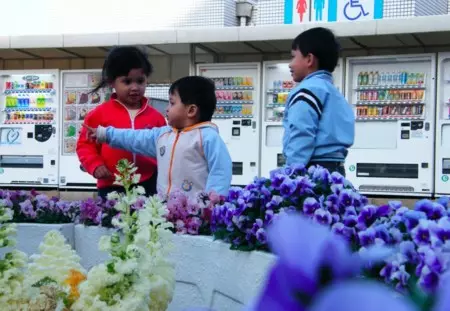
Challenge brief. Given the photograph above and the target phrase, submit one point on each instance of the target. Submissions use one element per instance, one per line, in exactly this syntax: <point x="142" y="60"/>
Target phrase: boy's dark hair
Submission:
<point x="120" y="61"/>
<point x="321" y="43"/>
<point x="199" y="91"/>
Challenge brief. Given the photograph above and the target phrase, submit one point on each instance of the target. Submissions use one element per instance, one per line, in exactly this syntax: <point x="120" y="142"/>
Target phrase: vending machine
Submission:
<point x="277" y="83"/>
<point x="393" y="99"/>
<point x="76" y="100"/>
<point x="238" y="114"/>
<point x="29" y="133"/>
<point x="442" y="171"/>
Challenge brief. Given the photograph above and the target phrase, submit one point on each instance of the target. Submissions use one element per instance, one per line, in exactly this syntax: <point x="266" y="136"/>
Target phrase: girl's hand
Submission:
<point x="102" y="172"/>
<point x="91" y="133"/>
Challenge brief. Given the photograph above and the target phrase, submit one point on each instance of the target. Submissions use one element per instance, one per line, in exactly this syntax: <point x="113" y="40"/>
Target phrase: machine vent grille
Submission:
<point x="375" y="188"/>
<point x="387" y="170"/>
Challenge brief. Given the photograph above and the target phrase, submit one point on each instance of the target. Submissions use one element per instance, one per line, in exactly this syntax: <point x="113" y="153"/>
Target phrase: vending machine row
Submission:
<point x="402" y="143"/>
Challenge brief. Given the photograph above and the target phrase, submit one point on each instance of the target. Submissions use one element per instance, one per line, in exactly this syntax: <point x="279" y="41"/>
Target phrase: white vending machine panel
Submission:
<point x="277" y="83"/>
<point x="442" y="172"/>
<point x="76" y="100"/>
<point x="29" y="134"/>
<point x="238" y="114"/>
<point x="393" y="99"/>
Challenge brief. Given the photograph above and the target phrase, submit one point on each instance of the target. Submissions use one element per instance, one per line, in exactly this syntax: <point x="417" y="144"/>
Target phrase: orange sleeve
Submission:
<point x="88" y="151"/>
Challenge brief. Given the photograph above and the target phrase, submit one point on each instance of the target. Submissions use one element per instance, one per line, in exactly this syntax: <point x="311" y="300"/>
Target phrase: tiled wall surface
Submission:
<point x="407" y="8"/>
<point x="207" y="13"/>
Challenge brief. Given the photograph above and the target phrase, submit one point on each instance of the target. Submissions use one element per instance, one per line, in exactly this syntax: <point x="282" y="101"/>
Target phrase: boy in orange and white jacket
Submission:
<point x="191" y="156"/>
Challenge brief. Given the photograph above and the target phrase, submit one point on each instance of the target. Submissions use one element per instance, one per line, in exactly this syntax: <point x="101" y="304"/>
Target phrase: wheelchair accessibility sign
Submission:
<point x="333" y="10"/>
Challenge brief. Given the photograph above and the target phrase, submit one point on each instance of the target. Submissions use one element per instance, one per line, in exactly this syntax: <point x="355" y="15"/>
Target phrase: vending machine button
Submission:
<point x="424" y="165"/>
<point x="29" y="135"/>
<point x="281" y="160"/>
<point x="445" y="166"/>
<point x="416" y="125"/>
<point x="405" y="135"/>
<point x="52" y="162"/>
<point x="236" y="131"/>
<point x="236" y="122"/>
<point x="237" y="168"/>
<point x="246" y="122"/>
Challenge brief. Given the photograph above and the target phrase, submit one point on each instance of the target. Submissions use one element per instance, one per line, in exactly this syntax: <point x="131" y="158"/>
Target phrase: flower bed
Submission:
<point x="209" y="274"/>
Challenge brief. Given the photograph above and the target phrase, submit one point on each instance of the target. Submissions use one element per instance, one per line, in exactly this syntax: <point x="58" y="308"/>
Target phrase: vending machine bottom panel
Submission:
<point x="413" y="179"/>
<point x="72" y="175"/>
<point x="23" y="170"/>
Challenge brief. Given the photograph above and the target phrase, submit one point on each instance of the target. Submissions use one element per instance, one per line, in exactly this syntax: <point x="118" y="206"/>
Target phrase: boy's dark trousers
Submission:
<point x="330" y="166"/>
<point x="149" y="185"/>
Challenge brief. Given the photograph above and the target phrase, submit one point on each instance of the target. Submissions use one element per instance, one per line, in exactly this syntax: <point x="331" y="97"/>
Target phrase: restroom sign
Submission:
<point x="300" y="11"/>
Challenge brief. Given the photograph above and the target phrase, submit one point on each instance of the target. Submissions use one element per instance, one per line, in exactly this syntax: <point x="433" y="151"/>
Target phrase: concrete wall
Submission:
<point x="167" y="68"/>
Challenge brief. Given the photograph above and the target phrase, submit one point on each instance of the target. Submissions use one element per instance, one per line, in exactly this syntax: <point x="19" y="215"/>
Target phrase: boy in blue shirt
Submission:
<point x="191" y="156"/>
<point x="319" y="124"/>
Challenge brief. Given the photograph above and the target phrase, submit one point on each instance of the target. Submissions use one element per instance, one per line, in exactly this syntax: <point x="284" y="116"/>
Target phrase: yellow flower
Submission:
<point x="73" y="280"/>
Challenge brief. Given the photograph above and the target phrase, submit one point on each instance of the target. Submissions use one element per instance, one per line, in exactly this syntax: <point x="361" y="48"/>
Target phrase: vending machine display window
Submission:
<point x="78" y="101"/>
<point x="234" y="97"/>
<point x="390" y="95"/>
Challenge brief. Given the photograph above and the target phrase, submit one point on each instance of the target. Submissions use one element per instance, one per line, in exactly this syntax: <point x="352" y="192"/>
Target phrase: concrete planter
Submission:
<point x="86" y="244"/>
<point x="30" y="235"/>
<point x="209" y="274"/>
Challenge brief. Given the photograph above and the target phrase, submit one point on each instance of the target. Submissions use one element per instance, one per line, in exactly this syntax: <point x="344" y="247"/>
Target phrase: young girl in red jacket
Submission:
<point x="126" y="69"/>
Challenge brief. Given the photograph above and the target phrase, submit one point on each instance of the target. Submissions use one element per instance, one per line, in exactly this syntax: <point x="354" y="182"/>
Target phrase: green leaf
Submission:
<point x="44" y="281"/>
<point x="111" y="268"/>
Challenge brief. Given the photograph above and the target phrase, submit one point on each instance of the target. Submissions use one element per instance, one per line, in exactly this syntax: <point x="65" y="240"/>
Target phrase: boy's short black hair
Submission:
<point x="199" y="91"/>
<point x="321" y="43"/>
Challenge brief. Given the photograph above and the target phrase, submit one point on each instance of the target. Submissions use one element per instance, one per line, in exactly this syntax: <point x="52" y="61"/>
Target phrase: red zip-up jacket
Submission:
<point x="113" y="113"/>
